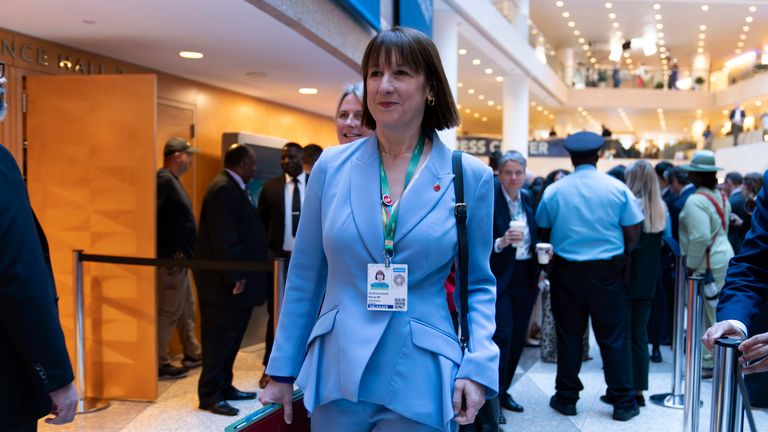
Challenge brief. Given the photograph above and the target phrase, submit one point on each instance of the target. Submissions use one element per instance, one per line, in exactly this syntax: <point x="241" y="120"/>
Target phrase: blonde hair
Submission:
<point x="641" y="180"/>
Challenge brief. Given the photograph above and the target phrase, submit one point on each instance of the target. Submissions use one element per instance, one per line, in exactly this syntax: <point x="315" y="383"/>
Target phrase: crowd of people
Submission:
<point x="369" y="326"/>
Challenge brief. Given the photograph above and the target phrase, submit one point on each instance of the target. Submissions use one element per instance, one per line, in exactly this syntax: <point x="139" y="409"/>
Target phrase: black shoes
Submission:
<point x="169" y="372"/>
<point x="563" y="407"/>
<point x="640" y="399"/>
<point x="221" y="408"/>
<point x="236" y="394"/>
<point x="656" y="355"/>
<point x="191" y="362"/>
<point x="624" y="414"/>
<point x="509" y="404"/>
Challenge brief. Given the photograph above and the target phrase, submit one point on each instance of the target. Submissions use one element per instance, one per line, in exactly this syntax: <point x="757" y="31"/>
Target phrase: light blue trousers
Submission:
<point x="344" y="416"/>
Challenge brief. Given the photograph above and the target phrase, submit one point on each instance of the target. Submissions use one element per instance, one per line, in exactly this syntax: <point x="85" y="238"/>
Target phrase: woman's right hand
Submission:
<point x="280" y="393"/>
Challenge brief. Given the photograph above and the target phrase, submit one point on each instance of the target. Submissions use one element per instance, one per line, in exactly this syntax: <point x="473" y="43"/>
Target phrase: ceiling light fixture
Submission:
<point x="748" y="19"/>
<point x="656" y="6"/>
<point x="700" y="50"/>
<point x="704" y="8"/>
<point x="608" y="5"/>
<point x="702" y="36"/>
<point x="571" y="24"/>
<point x="491" y="103"/>
<point x="459" y="84"/>
<point x="581" y="40"/>
<point x="462" y="51"/>
<point x="308" y="90"/>
<point x="660" y="34"/>
<point x="499" y="78"/>
<point x="471" y="91"/>
<point x="576" y="32"/>
<point x="659" y="26"/>
<point x="481" y="97"/>
<point x="743" y="37"/>
<point x="753" y="9"/>
<point x="612" y="15"/>
<point x="615" y="25"/>
<point x="191" y="55"/>
<point x="566" y="14"/>
<point x="488" y="71"/>
<point x="559" y="4"/>
<point x="657" y="16"/>
<point x="702" y="27"/>
<point x="745" y="28"/>
<point x="476" y="62"/>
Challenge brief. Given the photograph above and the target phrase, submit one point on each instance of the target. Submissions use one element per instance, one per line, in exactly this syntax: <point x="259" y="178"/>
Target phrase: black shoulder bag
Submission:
<point x="487" y="419"/>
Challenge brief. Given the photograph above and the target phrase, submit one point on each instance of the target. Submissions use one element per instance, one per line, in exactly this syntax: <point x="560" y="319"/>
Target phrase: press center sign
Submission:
<point x="478" y="146"/>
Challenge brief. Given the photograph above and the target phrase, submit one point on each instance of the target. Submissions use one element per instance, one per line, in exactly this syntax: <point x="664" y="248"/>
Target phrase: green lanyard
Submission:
<point x="390" y="210"/>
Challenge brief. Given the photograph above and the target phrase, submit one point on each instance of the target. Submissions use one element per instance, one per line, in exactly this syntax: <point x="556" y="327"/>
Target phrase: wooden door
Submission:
<point x="91" y="175"/>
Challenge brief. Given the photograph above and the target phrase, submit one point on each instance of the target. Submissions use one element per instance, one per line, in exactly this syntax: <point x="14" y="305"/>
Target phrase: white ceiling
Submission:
<point x="235" y="36"/>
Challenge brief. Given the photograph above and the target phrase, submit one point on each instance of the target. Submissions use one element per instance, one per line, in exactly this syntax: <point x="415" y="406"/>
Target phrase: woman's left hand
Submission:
<point x="468" y="398"/>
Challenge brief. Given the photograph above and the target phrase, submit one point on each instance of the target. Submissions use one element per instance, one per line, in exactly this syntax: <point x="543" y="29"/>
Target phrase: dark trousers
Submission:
<point x="581" y="290"/>
<point x="269" y="336"/>
<point x="222" y="330"/>
<point x="636" y="340"/>
<point x="29" y="427"/>
<point x="514" y="304"/>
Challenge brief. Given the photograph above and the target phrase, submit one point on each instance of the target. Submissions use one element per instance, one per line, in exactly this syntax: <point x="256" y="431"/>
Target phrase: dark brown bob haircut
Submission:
<point x="417" y="51"/>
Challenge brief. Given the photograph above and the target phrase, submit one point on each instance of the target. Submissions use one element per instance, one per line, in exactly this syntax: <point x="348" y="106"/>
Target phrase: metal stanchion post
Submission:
<point x="727" y="405"/>
<point x="693" y="355"/>
<point x="676" y="398"/>
<point x="279" y="288"/>
<point x="84" y="404"/>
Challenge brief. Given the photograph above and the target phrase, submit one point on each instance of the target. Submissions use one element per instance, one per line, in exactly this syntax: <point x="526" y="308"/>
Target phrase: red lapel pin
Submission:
<point x="436" y="187"/>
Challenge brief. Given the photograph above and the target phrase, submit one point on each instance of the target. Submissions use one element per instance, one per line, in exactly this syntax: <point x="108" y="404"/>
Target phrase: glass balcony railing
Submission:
<point x="608" y="76"/>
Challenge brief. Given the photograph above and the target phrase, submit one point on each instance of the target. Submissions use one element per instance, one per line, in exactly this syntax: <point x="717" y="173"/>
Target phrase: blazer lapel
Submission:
<point x="426" y="190"/>
<point x="365" y="198"/>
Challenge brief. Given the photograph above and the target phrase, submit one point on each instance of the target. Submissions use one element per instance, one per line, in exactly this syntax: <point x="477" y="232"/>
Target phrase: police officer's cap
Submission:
<point x="584" y="143"/>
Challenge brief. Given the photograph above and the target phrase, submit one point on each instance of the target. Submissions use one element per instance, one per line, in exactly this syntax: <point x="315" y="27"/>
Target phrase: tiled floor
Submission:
<point x="176" y="408"/>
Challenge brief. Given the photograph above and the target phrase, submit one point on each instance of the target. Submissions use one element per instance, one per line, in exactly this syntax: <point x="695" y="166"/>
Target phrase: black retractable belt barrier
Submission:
<point x="89" y="404"/>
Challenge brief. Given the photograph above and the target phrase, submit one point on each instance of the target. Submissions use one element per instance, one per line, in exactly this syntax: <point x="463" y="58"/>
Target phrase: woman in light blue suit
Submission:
<point x="365" y="364"/>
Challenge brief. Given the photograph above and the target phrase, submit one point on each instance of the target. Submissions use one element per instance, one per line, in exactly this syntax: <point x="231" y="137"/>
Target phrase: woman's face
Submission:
<point x="349" y="126"/>
<point x="396" y="95"/>
<point x="379" y="276"/>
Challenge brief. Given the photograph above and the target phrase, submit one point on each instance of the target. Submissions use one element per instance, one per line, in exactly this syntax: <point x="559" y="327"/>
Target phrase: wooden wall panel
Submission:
<point x="91" y="170"/>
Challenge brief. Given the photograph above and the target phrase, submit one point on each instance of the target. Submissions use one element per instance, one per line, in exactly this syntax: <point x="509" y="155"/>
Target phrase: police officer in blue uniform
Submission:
<point x="593" y="222"/>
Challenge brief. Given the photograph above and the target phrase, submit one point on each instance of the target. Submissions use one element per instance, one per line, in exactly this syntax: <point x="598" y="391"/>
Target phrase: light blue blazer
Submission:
<point x="405" y="361"/>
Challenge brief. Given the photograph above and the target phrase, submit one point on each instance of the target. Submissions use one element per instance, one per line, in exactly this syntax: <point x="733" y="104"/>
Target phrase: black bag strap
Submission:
<point x="461" y="227"/>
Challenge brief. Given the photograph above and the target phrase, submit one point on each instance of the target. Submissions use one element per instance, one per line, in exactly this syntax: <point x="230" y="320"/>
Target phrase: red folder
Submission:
<point x="270" y="418"/>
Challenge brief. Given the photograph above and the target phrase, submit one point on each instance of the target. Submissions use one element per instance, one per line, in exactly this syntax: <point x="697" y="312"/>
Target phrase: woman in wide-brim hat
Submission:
<point x="704" y="232"/>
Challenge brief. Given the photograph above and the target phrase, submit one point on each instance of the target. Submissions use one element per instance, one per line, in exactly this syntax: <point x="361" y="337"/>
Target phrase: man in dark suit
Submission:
<point x="732" y="189"/>
<point x="230" y="229"/>
<point x="36" y="377"/>
<point x="280" y="208"/>
<point x="515" y="267"/>
<point x="682" y="188"/>
<point x="743" y="297"/>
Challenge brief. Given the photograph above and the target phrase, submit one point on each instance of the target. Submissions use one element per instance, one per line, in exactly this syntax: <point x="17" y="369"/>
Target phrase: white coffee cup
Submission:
<point x="542" y="252"/>
<point x="517" y="226"/>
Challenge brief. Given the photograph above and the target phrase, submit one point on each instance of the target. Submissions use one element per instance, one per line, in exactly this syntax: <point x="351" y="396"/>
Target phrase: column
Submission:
<point x="523" y="14"/>
<point x="569" y="67"/>
<point x="515" y="114"/>
<point x="700" y="68"/>
<point x="445" y="34"/>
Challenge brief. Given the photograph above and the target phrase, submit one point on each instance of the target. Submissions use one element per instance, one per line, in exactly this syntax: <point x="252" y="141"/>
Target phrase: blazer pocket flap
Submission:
<point x="437" y="341"/>
<point x="323" y="325"/>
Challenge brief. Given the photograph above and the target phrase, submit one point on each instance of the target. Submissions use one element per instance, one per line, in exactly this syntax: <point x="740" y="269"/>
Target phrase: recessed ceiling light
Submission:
<point x="471" y="91"/>
<point x="585" y="47"/>
<point x="559" y="4"/>
<point x="662" y="49"/>
<point x="499" y="78"/>
<point x="701" y="43"/>
<point x="702" y="36"/>
<point x="608" y="5"/>
<point x="571" y="24"/>
<point x="704" y="8"/>
<point x="629" y="61"/>
<point x="462" y="51"/>
<point x="491" y="103"/>
<point x="190" y="55"/>
<point x="481" y="97"/>
<point x="488" y="71"/>
<point x="308" y="90"/>
<point x="748" y="19"/>
<point x="743" y="37"/>
<point x="576" y="32"/>
<point x="612" y="15"/>
<point x="539" y="108"/>
<point x="745" y="28"/>
<point x="740" y="44"/>
<point x="458" y="106"/>
<point x="533" y="103"/>
<point x="700" y="50"/>
<point x="566" y="14"/>
<point x="752" y="9"/>
<point x="656" y="6"/>
<point x="485" y="119"/>
<point x="459" y="84"/>
<point x="476" y="62"/>
<point x="758" y="103"/>
<point x="662" y="42"/>
<point x="659" y="26"/>
<point x="593" y="60"/>
<point x="702" y="27"/>
<point x="737" y="51"/>
<point x="581" y="40"/>
<point x="589" y="53"/>
<point x="660" y="34"/>
<point x="498" y="107"/>
<point x="476" y="115"/>
<point x="467" y="110"/>
<point x="615" y="25"/>
<point x="657" y="16"/>
<point x="626" y="54"/>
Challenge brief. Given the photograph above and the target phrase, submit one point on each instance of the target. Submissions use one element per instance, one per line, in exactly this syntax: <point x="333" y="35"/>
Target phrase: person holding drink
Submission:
<point x="513" y="262"/>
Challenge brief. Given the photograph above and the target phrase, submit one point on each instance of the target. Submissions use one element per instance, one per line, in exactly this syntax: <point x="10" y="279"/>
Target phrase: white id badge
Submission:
<point x="388" y="287"/>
